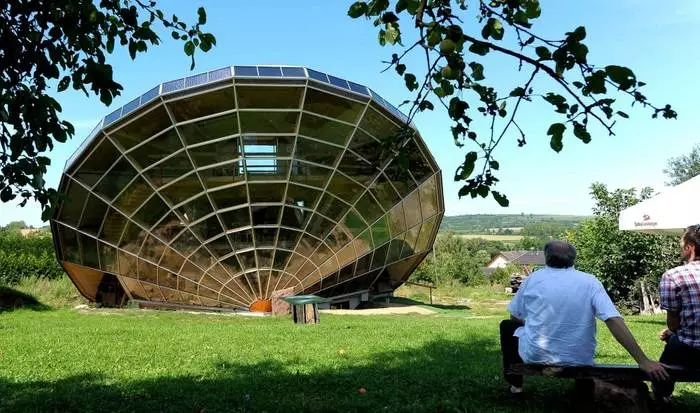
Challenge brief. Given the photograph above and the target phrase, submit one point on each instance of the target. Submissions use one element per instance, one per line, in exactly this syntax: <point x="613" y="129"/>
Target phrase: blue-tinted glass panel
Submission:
<point x="338" y="82"/>
<point x="195" y="80"/>
<point x="293" y="72"/>
<point x="358" y="88"/>
<point x="220" y="74"/>
<point x="269" y="71"/>
<point x="173" y="85"/>
<point x="131" y="106"/>
<point x="150" y="95"/>
<point x="245" y="71"/>
<point x="317" y="75"/>
<point x="113" y="116"/>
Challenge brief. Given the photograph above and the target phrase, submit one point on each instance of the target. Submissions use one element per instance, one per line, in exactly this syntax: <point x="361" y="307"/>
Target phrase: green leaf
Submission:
<point x="577" y="84"/>
<point x="556" y="131"/>
<point x="389" y="17"/>
<point x="543" y="53"/>
<point x="500" y="198"/>
<point x="623" y="114"/>
<point x="477" y="71"/>
<point x="400" y="68"/>
<point x="533" y="9"/>
<point x="202" y="15"/>
<point x="63" y="84"/>
<point x="447" y="87"/>
<point x="411" y="82"/>
<point x="110" y="44"/>
<point x="382" y="37"/>
<point x="412" y="6"/>
<point x="6" y="194"/>
<point x="426" y="105"/>
<point x="581" y="133"/>
<point x="621" y="75"/>
<point x="392" y="35"/>
<point x="439" y="92"/>
<point x="401" y="5"/>
<point x="578" y="34"/>
<point x="175" y="35"/>
<point x="492" y="28"/>
<point x="205" y="46"/>
<point x="494" y="164"/>
<point x="358" y="9"/>
<point x="434" y="37"/>
<point x="479" y="48"/>
<point x="189" y="48"/>
<point x="376" y="7"/>
<point x="466" y="169"/>
<point x="482" y="190"/>
<point x="464" y="190"/>
<point x="521" y="19"/>
<point x="518" y="91"/>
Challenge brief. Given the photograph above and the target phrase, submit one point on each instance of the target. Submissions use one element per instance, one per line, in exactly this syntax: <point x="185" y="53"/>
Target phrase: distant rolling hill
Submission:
<point x="485" y="224"/>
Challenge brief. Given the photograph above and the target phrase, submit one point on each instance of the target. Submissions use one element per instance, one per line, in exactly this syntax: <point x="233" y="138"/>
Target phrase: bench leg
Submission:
<point x="622" y="397"/>
<point x="509" y="350"/>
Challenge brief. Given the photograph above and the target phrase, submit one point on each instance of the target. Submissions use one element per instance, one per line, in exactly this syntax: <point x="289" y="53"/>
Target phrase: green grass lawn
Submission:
<point x="134" y="361"/>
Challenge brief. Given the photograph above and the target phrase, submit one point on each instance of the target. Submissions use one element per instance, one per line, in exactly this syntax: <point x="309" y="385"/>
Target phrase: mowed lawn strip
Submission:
<point x="129" y="360"/>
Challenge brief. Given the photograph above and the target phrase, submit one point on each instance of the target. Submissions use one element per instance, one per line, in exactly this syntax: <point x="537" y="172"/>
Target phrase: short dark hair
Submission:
<point x="691" y="236"/>
<point x="559" y="254"/>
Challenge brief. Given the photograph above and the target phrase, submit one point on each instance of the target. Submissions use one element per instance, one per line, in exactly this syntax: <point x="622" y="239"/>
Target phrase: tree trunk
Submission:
<point x="646" y="300"/>
<point x="648" y="305"/>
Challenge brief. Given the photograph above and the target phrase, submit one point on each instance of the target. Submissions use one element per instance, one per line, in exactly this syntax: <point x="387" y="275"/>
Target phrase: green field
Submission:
<point x="491" y="237"/>
<point x="130" y="360"/>
<point x="482" y="223"/>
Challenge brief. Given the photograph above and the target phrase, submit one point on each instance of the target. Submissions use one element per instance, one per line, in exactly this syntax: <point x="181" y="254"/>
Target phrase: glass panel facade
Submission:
<point x="193" y="107"/>
<point x="325" y="129"/>
<point x="228" y="192"/>
<point x="217" y="152"/>
<point x="268" y="122"/>
<point x="116" y="179"/>
<point x="317" y="152"/>
<point x="142" y="128"/>
<point x="72" y="206"/>
<point x="209" y="129"/>
<point x="269" y="97"/>
<point x="332" y="106"/>
<point x="169" y="170"/>
<point x="97" y="163"/>
<point x="156" y="149"/>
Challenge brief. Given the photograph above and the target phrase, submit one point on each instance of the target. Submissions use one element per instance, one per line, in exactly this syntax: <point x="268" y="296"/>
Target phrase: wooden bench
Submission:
<point x="605" y="372"/>
<point x="606" y="387"/>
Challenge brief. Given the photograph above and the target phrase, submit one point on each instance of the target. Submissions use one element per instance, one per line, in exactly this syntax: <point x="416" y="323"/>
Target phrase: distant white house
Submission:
<point x="527" y="260"/>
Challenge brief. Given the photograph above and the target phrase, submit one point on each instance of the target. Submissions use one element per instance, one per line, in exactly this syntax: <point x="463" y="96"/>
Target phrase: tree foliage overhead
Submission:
<point x="65" y="44"/>
<point x="621" y="259"/>
<point x="455" y="77"/>
<point x="683" y="167"/>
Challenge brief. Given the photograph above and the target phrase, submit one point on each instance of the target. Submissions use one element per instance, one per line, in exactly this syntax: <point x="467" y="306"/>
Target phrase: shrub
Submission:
<point x="27" y="257"/>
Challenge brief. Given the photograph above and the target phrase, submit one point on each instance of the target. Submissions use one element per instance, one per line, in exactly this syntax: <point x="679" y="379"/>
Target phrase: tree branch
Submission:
<point x="547" y="70"/>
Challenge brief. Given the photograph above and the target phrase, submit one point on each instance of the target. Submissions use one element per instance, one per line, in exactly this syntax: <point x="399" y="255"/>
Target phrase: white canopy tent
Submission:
<point x="671" y="211"/>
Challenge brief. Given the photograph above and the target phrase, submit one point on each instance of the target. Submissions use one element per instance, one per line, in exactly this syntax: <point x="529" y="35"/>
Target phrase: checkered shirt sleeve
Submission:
<point x="670" y="299"/>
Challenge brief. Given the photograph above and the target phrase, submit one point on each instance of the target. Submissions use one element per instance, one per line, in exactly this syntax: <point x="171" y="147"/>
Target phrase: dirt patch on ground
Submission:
<point x="406" y="309"/>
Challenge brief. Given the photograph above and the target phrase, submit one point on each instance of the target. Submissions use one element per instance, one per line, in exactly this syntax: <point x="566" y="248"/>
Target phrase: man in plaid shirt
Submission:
<point x="680" y="297"/>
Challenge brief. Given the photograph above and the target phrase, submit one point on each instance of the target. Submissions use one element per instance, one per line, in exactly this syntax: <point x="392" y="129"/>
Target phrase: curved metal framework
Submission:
<point x="221" y="188"/>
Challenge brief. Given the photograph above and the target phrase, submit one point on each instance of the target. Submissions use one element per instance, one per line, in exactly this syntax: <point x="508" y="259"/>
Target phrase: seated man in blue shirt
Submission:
<point x="553" y="319"/>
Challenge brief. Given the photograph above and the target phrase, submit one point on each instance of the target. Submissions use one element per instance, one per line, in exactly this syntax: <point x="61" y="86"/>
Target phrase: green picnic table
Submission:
<point x="305" y="308"/>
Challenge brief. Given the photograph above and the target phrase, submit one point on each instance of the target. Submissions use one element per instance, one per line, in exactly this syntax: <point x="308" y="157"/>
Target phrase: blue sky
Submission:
<point x="653" y="40"/>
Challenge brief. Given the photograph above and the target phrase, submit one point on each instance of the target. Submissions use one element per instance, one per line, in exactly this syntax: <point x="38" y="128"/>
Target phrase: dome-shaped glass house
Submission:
<point x="222" y="188"/>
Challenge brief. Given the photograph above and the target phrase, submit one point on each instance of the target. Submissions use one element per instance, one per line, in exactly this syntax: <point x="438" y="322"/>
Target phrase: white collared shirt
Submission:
<point x="559" y="307"/>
